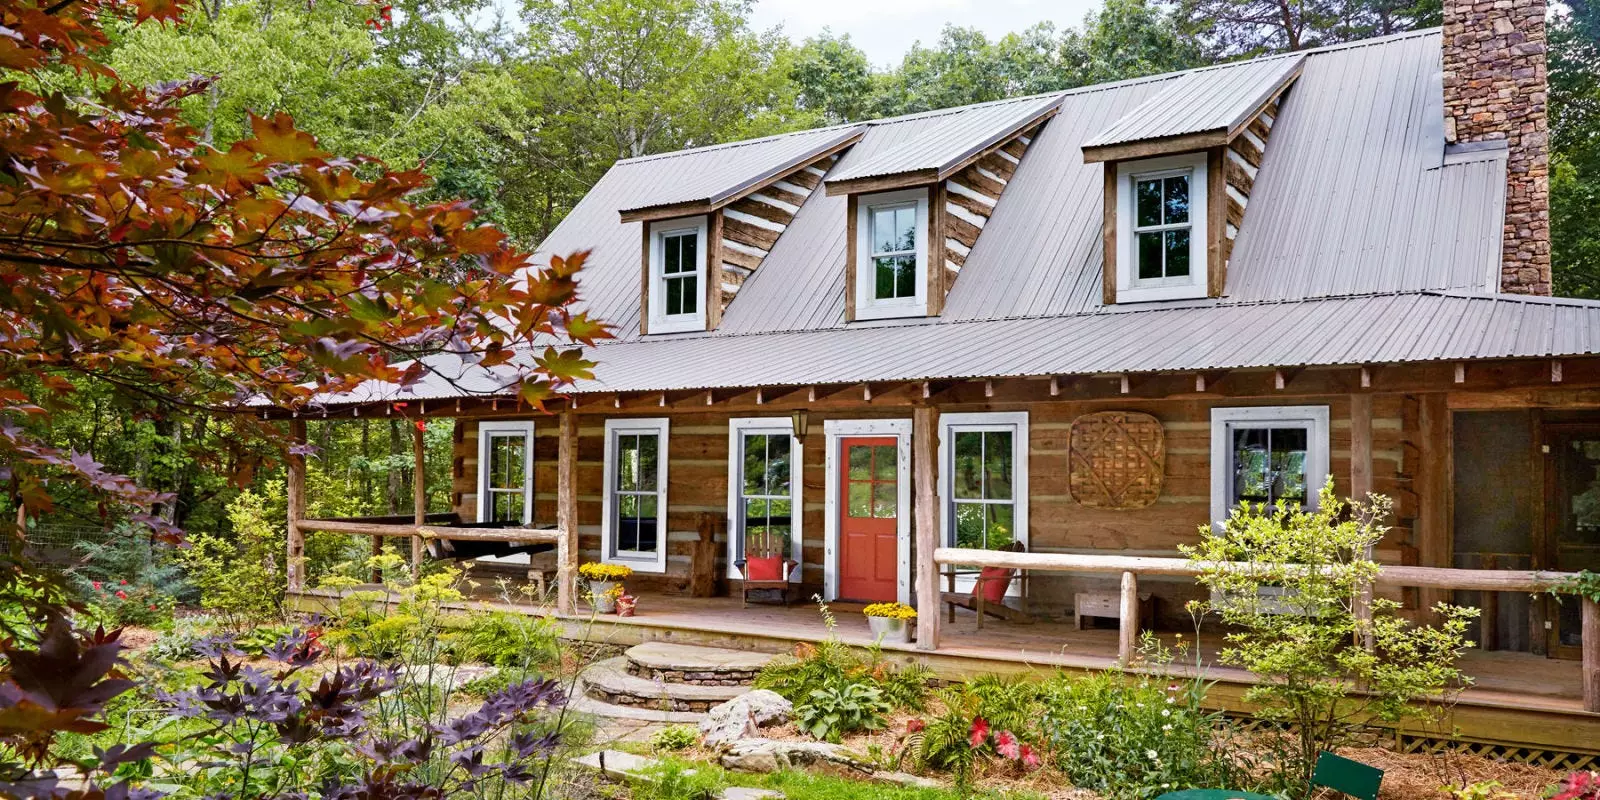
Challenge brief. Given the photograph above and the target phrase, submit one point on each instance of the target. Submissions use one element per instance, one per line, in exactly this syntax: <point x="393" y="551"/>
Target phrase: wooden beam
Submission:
<point x="1108" y="236"/>
<point x="1590" y="633"/>
<point x="1433" y="486"/>
<point x="1360" y="446"/>
<point x="567" y="514"/>
<point x="1128" y="628"/>
<point x="295" y="492"/>
<point x="925" y="473"/>
<point x="1148" y="148"/>
<point x="419" y="491"/>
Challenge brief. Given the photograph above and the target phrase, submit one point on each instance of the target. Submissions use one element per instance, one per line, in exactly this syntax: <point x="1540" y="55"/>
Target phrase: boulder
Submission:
<point x="772" y="755"/>
<point x="743" y="716"/>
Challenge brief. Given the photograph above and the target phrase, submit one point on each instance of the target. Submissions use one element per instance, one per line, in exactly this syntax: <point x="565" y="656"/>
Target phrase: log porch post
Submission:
<point x="1433" y="490"/>
<point x="1591" y="655"/>
<point x="567" y="515"/>
<point x="295" y="491"/>
<point x="1360" y="446"/>
<point x="419" y="492"/>
<point x="1128" y="629"/>
<point x="925" y="473"/>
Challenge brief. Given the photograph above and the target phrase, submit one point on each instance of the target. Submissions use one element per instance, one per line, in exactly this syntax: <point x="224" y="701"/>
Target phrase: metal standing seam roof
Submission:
<point x="1372" y="329"/>
<point x="720" y="173"/>
<point x="1361" y="244"/>
<point x="957" y="138"/>
<point x="1219" y="98"/>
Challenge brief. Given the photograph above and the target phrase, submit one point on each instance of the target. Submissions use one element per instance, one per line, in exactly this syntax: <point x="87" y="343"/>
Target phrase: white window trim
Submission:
<point x="949" y="425"/>
<point x="867" y="307"/>
<point x="737" y="428"/>
<point x="660" y="321"/>
<point x="608" y="550"/>
<point x="833" y="431"/>
<point x="487" y="432"/>
<point x="1129" y="288"/>
<point x="1225" y="420"/>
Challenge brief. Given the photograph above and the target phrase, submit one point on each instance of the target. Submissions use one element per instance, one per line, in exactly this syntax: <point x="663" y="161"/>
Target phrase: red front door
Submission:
<point x="869" y="497"/>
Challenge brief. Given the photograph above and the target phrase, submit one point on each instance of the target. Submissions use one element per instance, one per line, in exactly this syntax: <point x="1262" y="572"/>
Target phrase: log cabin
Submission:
<point x="1056" y="336"/>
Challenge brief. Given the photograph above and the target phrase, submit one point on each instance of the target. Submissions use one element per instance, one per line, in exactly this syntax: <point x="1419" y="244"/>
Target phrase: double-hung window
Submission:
<point x="891" y="270"/>
<point x="983" y="479"/>
<point x="505" y="472"/>
<point x="635" y="503"/>
<point x="1274" y="456"/>
<point x="677" y="275"/>
<point x="1161" y="228"/>
<point x="764" y="490"/>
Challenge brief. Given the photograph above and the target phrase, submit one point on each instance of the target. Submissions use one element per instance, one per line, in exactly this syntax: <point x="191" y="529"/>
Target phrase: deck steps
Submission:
<point x="664" y="682"/>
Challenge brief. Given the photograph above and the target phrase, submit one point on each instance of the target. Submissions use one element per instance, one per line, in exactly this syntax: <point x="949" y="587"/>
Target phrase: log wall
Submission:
<point x="698" y="474"/>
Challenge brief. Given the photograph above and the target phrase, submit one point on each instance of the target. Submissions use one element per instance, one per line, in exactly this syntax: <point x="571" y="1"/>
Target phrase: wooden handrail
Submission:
<point x="1426" y="577"/>
<point x="464" y="534"/>
<point x="1129" y="567"/>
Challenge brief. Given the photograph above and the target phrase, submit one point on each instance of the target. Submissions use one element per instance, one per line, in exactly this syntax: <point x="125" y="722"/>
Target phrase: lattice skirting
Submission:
<point x="1559" y="760"/>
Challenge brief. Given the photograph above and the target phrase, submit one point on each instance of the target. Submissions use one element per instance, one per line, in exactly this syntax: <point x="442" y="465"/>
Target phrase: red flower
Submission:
<point x="1030" y="757"/>
<point x="152" y="606"/>
<point x="124" y="581"/>
<point x="97" y="586"/>
<point x="916" y="726"/>
<point x="1579" y="786"/>
<point x="979" y="733"/>
<point x="121" y="595"/>
<point x="1006" y="745"/>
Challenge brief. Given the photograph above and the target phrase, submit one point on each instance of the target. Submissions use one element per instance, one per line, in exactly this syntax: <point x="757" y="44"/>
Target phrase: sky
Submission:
<point x="885" y="29"/>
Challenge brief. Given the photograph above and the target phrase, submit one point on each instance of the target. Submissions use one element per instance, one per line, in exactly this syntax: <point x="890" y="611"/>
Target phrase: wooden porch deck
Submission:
<point x="1505" y="706"/>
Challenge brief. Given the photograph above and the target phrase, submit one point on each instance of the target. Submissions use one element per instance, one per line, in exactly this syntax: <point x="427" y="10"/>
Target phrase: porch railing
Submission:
<point x="1131" y="567"/>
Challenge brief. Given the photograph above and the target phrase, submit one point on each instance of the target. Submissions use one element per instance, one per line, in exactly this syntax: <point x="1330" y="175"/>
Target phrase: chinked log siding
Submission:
<point x="752" y="225"/>
<point x="970" y="198"/>
<point x="1241" y="161"/>
<point x="697" y="477"/>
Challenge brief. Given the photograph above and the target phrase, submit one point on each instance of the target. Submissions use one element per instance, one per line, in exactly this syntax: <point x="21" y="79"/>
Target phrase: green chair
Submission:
<point x="1350" y="777"/>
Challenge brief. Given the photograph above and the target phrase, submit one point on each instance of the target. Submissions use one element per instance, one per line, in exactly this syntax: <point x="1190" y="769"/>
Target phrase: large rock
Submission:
<point x="743" y="716"/>
<point x="773" y="755"/>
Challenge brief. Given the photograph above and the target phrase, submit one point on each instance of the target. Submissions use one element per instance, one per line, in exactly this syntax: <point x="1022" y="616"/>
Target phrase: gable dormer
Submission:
<point x="707" y="226"/>
<point x="915" y="208"/>
<point x="1179" y="170"/>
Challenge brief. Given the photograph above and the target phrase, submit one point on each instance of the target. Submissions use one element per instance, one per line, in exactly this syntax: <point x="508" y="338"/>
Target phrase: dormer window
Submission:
<point x="891" y="270"/>
<point x="1161" y="228"/>
<point x="677" y="275"/>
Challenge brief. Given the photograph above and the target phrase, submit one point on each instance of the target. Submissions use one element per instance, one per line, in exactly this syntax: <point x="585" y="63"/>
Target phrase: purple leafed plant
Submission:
<point x="287" y="729"/>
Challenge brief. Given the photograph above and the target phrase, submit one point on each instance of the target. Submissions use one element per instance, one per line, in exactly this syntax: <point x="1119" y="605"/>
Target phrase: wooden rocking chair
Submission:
<point x="989" y="589"/>
<point x="766" y="565"/>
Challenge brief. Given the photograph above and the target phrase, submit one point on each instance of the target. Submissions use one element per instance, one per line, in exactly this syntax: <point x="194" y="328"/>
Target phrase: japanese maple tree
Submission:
<point x="200" y="280"/>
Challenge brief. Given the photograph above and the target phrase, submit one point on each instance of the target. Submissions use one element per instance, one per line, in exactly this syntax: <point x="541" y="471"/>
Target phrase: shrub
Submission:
<point x="989" y="717"/>
<point x="842" y="706"/>
<point x="512" y="640"/>
<point x="831" y="662"/>
<point x="239" y="576"/>
<point x="1134" y="738"/>
<point x="1318" y="562"/>
<point x="115" y="605"/>
<point x="182" y="641"/>
<point x="675" y="737"/>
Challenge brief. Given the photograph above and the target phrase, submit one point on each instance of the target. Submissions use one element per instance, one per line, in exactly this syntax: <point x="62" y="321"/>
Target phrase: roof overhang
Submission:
<point x="1117" y="144"/>
<point x="746" y="186"/>
<point x="960" y="159"/>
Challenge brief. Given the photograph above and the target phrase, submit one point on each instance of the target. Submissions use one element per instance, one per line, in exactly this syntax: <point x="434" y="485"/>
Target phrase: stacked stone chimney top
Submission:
<point x="1495" y="89"/>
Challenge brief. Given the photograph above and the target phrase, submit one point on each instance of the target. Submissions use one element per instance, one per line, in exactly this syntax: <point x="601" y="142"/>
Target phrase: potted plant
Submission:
<point x="626" y="604"/>
<point x="605" y="584"/>
<point x="890" y="622"/>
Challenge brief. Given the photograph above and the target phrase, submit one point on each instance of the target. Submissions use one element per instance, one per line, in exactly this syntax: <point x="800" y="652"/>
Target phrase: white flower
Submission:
<point x="1171" y="700"/>
<point x="1166" y="712"/>
<point x="1150" y="754"/>
<point x="1166" y="727"/>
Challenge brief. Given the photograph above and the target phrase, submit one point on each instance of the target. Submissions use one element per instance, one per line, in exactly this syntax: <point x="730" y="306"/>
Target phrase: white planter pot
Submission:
<point x="886" y="629"/>
<point x="601" y="597"/>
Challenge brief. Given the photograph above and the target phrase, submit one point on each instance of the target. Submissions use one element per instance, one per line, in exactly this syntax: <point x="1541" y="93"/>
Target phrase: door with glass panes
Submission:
<point x="869" y="518"/>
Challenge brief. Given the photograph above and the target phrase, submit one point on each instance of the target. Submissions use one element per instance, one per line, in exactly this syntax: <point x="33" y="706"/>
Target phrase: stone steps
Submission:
<point x="611" y="682"/>
<point x="663" y="682"/>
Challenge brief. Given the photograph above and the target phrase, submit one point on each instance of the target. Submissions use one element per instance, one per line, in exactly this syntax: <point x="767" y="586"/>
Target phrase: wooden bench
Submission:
<point x="1109" y="605"/>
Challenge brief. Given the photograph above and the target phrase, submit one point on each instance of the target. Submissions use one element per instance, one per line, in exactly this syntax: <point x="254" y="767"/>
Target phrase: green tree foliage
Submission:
<point x="834" y="78"/>
<point x="1246" y="28"/>
<point x="1575" y="148"/>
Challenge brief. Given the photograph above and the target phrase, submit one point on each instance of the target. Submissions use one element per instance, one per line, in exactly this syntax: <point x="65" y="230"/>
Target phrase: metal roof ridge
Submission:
<point x="843" y="126"/>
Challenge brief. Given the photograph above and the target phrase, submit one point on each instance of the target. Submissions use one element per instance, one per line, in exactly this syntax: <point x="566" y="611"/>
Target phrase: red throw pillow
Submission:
<point x="994" y="581"/>
<point x="766" y="568"/>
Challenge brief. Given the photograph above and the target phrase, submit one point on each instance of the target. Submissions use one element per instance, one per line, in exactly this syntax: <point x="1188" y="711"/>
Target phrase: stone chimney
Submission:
<point x="1495" y="89"/>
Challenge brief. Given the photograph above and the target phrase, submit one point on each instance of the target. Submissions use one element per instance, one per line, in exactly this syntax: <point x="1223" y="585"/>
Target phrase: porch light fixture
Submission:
<point x="802" y="422"/>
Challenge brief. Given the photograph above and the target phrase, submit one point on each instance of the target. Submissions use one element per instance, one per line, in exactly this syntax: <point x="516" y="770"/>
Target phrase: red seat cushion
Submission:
<point x="994" y="581"/>
<point x="765" y="568"/>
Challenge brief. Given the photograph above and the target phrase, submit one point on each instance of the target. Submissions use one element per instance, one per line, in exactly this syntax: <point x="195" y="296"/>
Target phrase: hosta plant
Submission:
<point x="841" y="707"/>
